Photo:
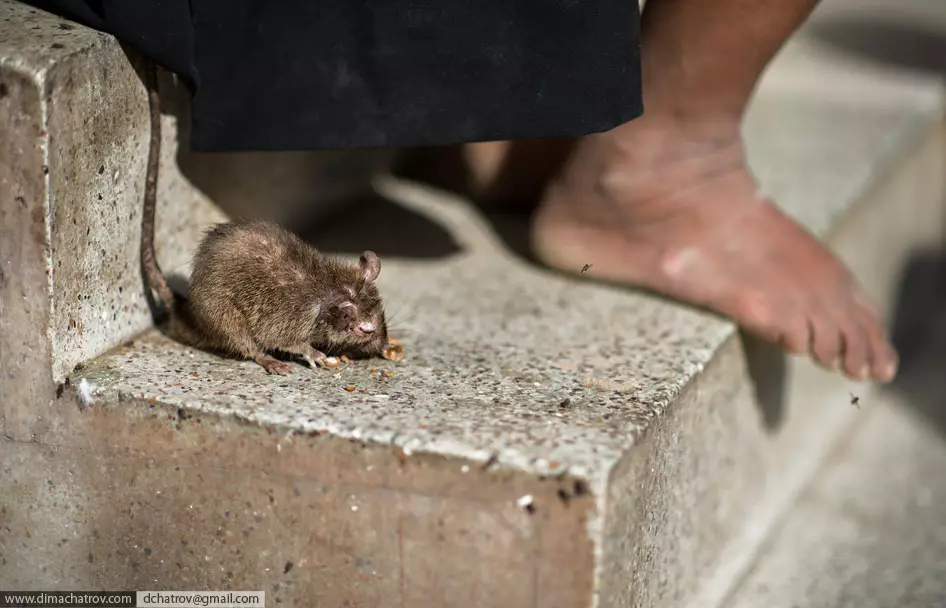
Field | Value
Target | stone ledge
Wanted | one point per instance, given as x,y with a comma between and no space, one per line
647,404
90,138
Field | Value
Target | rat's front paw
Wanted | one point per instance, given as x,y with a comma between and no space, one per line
324,362
273,365
316,358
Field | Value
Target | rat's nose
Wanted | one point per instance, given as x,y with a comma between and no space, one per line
367,327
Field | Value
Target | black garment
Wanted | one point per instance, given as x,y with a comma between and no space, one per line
323,74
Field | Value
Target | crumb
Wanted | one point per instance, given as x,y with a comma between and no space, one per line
525,502
373,371
393,352
85,390
350,389
388,374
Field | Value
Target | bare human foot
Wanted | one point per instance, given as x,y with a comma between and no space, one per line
666,201
676,211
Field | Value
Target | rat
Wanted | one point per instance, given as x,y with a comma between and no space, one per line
257,288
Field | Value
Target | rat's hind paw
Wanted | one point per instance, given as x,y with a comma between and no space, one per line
273,365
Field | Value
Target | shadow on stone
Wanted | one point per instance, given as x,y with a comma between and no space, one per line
522,178
373,222
767,365
919,334
324,196
888,42
291,188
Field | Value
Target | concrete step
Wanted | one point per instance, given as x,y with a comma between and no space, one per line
74,132
75,146
546,442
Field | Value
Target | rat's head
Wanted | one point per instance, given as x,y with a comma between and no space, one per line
359,315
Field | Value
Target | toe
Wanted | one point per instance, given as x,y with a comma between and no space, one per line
882,355
796,336
753,312
885,363
826,340
887,366
856,358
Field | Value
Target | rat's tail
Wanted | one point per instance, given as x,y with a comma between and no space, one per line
154,277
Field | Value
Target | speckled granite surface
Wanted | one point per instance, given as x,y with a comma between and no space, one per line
506,343
539,372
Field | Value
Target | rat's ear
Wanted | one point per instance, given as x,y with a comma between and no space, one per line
370,266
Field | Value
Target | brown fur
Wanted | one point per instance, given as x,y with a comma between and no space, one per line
257,288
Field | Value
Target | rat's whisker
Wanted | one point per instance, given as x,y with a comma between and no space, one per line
396,318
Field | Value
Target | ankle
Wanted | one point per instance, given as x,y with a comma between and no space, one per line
641,166
682,131
662,148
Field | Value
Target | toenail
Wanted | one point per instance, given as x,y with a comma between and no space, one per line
890,372
864,372
835,363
